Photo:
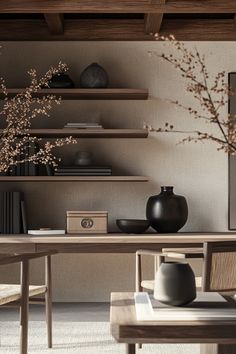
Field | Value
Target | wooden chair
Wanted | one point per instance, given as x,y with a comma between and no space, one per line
159,257
23,294
219,265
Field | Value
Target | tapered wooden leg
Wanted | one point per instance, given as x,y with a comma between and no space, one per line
130,348
24,307
218,349
138,279
48,299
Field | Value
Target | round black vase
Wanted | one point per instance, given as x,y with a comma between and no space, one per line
167,212
175,284
94,76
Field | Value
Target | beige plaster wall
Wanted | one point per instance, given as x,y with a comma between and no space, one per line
197,171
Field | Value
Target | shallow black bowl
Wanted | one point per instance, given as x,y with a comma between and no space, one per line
132,226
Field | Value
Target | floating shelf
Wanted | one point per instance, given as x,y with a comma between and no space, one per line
73,179
90,133
88,94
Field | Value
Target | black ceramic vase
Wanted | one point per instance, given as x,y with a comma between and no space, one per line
175,284
94,76
167,212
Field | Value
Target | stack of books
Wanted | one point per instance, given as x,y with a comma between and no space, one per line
89,125
26,168
12,213
92,170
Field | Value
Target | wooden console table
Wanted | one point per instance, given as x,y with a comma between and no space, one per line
109,243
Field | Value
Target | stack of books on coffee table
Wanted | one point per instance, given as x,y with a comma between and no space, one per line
93,170
83,125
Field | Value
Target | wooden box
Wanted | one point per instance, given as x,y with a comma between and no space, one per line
87,222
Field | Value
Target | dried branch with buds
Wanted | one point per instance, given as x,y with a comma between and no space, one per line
18,113
210,92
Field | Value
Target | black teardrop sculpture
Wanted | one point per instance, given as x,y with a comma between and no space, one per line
167,212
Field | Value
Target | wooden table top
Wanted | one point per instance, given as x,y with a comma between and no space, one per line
126,329
122,238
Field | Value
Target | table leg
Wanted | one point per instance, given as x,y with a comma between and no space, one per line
218,349
130,348
24,307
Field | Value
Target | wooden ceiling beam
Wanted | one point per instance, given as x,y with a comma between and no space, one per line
122,30
55,23
118,6
153,21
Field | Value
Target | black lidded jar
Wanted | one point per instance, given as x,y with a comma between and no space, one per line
167,212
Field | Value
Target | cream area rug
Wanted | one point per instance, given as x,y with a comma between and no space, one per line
79,338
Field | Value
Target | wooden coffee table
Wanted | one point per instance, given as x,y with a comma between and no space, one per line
216,337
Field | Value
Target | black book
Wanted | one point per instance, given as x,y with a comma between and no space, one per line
7,212
10,212
82,174
16,213
74,167
23,217
2,212
83,170
18,167
26,156
33,168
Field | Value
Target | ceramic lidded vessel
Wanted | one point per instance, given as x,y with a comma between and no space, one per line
175,284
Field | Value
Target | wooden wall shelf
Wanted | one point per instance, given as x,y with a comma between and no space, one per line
90,133
73,179
88,94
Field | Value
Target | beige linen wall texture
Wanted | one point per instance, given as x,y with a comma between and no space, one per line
197,171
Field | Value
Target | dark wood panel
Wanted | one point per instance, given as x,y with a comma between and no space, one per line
90,133
133,30
153,21
118,6
55,23
88,94
73,179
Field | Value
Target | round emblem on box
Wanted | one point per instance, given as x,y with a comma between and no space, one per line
87,223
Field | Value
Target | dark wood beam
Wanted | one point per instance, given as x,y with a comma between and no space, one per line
123,30
153,21
55,23
117,6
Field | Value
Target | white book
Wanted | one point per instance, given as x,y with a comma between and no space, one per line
206,307
46,232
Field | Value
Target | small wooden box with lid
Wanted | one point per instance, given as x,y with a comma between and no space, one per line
89,222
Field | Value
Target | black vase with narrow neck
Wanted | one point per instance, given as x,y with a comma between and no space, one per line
167,212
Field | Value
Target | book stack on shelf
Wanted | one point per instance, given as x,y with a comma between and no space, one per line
12,213
85,125
92,170
26,168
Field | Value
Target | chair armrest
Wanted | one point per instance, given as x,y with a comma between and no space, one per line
183,253
17,258
148,253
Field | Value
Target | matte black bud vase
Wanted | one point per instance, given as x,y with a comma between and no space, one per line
167,212
175,284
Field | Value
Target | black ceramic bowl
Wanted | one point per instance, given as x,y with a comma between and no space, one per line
132,226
